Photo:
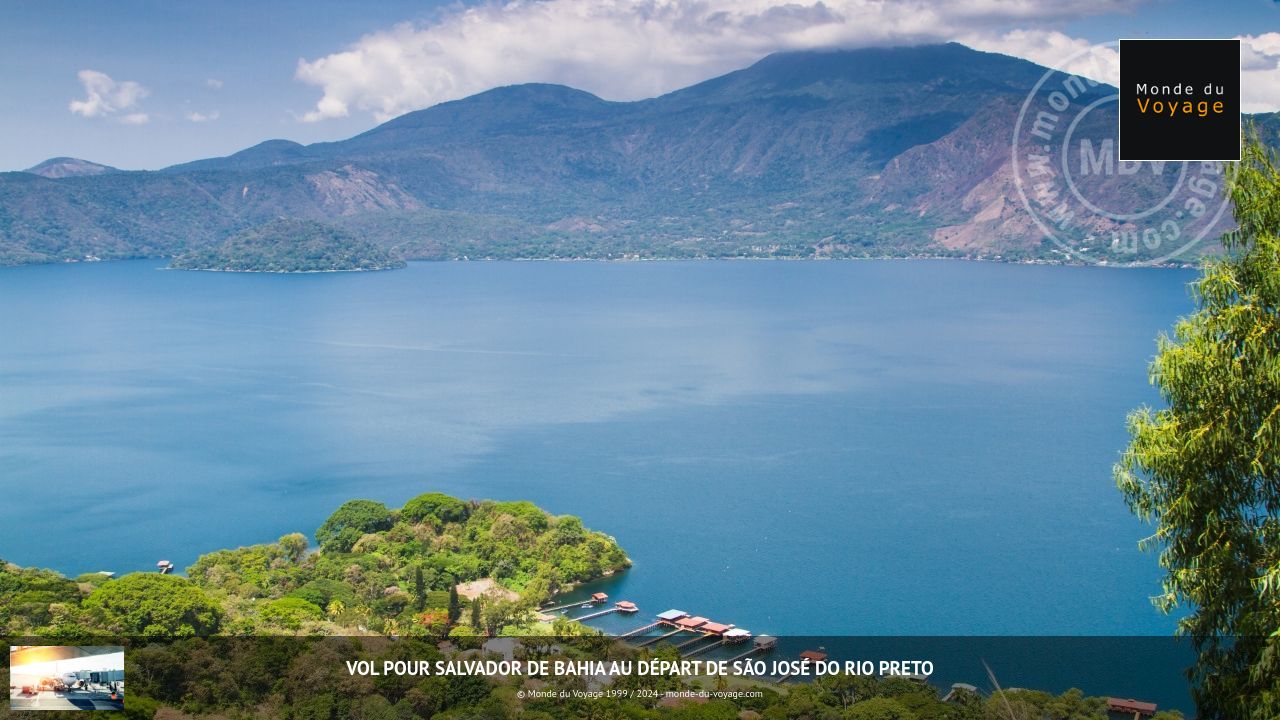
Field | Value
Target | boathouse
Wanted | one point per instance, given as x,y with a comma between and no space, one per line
813,656
598,597
625,606
766,642
691,623
715,628
736,635
672,615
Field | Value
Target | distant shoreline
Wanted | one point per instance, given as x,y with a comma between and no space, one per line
1048,263
265,272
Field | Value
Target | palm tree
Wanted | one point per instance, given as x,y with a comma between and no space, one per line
335,608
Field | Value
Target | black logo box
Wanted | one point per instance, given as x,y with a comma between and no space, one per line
1187,68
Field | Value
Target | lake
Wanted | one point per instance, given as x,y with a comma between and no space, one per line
795,447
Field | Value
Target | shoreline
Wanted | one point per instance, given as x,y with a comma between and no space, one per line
623,260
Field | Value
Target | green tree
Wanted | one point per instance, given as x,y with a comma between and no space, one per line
335,608
154,605
455,604
439,506
1206,468
290,612
475,613
419,589
353,519
294,546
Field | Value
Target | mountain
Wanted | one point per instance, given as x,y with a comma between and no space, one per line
872,152
61,167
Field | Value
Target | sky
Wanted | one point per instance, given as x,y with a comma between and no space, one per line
143,84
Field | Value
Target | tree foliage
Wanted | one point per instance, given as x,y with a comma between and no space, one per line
351,521
436,506
154,605
1205,469
289,245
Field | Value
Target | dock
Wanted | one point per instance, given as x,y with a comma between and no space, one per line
673,622
705,648
596,614
687,643
595,599
762,643
622,606
638,631
653,640
566,606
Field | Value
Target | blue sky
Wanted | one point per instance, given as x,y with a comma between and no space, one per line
157,83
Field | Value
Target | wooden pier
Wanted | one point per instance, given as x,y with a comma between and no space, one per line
597,614
705,648
653,640
622,606
638,631
566,606
698,639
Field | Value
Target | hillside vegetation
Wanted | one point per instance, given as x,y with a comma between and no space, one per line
377,570
285,245
875,152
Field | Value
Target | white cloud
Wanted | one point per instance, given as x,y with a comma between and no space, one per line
214,83
199,117
1260,72
1259,61
1053,49
105,97
630,49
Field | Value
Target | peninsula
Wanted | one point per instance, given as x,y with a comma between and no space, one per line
289,246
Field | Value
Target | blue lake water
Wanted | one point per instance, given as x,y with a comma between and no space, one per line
794,447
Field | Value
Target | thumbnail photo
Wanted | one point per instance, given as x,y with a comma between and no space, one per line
66,677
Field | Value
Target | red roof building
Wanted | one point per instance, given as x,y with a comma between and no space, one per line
599,597
1136,708
813,656
715,627
691,623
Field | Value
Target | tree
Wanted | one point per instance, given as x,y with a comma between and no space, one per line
455,604
433,622
294,546
335,608
1206,468
290,612
419,589
499,612
475,613
154,605
350,521
441,507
